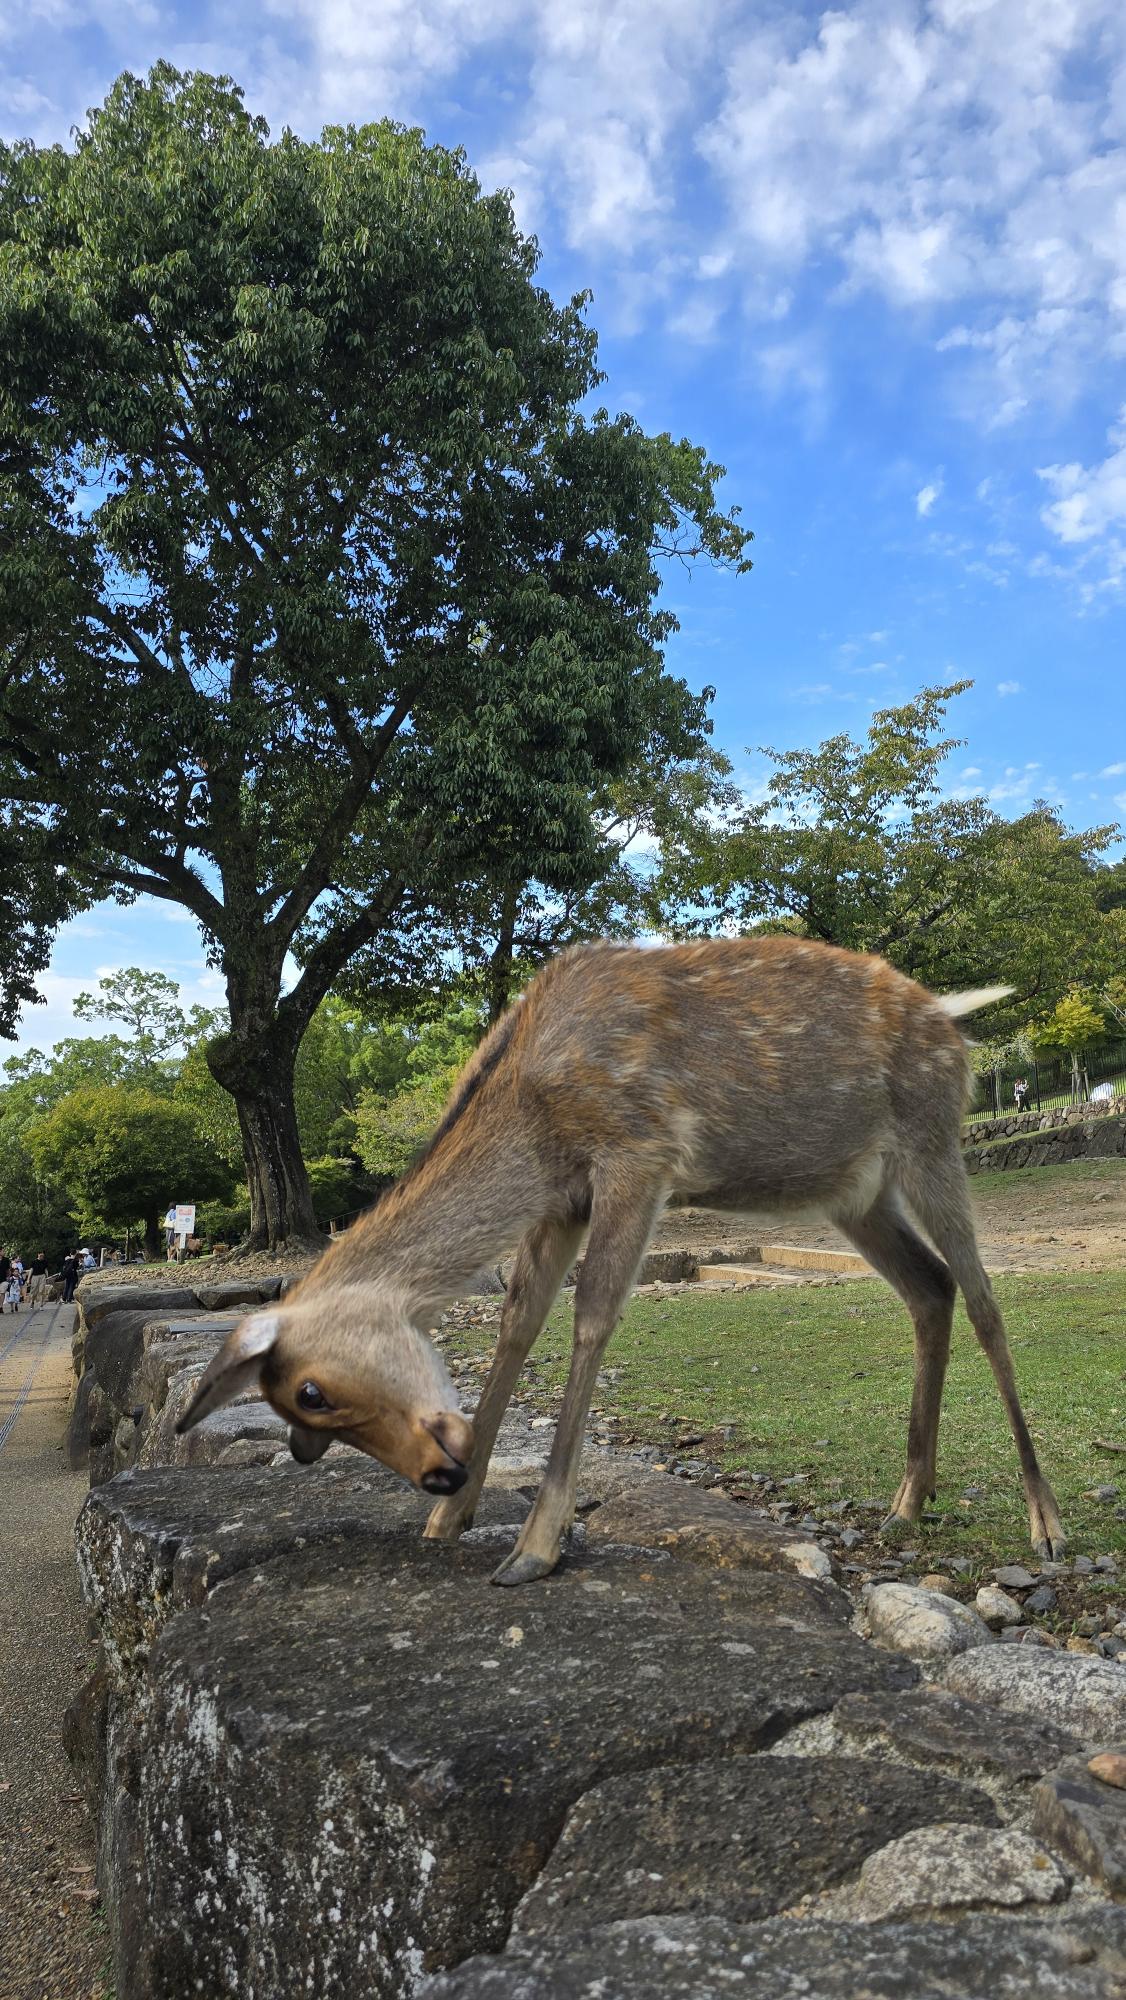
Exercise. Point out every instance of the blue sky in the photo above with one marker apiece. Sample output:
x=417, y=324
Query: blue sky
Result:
x=874, y=259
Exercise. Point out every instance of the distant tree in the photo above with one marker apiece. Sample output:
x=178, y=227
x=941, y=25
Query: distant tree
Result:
x=1076, y=1025
x=860, y=844
x=391, y=1128
x=123, y=1155
x=322, y=587
x=149, y=1005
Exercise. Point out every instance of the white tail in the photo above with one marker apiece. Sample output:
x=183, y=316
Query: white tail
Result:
x=957, y=1004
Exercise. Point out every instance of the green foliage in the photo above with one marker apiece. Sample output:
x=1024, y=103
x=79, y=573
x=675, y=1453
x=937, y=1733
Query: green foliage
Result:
x=391, y=1132
x=391, y=1129
x=857, y=844
x=336, y=1189
x=224, y=1222
x=1074, y=1024
x=323, y=588
x=149, y=1004
x=122, y=1153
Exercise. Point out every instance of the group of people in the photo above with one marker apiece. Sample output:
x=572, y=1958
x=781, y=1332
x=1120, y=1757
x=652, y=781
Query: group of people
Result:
x=26, y=1284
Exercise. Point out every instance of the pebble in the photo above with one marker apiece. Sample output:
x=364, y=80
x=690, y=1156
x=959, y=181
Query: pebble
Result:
x=1040, y=1600
x=923, y=1623
x=997, y=1607
x=1110, y=1766
x=1011, y=1576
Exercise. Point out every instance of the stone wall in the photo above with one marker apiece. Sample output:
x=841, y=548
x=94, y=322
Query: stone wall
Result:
x=1052, y=1140
x=325, y=1756
x=1019, y=1124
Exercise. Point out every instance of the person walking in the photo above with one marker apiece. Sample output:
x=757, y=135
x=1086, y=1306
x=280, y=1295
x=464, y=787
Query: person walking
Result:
x=13, y=1291
x=70, y=1276
x=37, y=1279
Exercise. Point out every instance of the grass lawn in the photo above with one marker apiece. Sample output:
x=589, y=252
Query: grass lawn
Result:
x=818, y=1381
x=1109, y=1172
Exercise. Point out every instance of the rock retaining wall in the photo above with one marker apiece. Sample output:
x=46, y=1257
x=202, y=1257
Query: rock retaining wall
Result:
x=1085, y=1134
x=326, y=1756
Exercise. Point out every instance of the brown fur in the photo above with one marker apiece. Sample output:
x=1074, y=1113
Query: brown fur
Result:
x=763, y=1074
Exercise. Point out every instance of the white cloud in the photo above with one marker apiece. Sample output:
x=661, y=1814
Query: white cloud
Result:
x=1090, y=500
x=926, y=497
x=1010, y=687
x=1112, y=770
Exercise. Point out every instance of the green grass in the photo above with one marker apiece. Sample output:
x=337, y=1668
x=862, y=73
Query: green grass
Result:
x=1007, y=1180
x=819, y=1381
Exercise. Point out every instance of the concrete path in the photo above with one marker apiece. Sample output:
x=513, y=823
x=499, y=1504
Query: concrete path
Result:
x=52, y=1946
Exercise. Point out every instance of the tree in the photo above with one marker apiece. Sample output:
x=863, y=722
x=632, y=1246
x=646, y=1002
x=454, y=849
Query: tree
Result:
x=1075, y=1025
x=859, y=844
x=320, y=589
x=392, y=1127
x=149, y=1004
x=124, y=1154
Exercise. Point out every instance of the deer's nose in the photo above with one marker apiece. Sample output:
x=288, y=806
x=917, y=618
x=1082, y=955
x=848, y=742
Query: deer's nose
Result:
x=445, y=1479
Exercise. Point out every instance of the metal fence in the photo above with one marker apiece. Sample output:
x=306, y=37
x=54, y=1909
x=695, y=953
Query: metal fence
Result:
x=1049, y=1083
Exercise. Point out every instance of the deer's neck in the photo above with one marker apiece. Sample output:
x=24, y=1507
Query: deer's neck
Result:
x=468, y=1203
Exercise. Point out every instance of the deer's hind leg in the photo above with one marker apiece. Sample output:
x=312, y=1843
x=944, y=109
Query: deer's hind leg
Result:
x=927, y=1288
x=621, y=1224
x=935, y=1185
x=542, y=1262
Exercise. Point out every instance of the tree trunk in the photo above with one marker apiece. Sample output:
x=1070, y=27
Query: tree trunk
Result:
x=260, y=1079
x=154, y=1238
x=501, y=961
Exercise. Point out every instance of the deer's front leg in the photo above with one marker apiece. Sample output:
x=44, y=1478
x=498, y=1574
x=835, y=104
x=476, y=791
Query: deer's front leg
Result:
x=543, y=1260
x=618, y=1236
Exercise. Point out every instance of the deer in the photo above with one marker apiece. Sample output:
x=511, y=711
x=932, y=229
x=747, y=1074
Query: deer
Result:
x=769, y=1075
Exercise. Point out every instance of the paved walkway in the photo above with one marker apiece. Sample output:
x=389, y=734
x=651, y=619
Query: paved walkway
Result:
x=51, y=1944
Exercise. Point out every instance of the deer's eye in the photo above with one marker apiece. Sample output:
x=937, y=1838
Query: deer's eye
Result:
x=310, y=1398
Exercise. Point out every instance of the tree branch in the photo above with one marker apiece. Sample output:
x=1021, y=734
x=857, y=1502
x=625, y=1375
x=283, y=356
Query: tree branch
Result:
x=314, y=875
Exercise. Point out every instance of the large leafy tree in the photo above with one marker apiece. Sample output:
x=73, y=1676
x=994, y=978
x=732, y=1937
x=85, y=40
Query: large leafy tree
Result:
x=321, y=587
x=862, y=844
x=123, y=1154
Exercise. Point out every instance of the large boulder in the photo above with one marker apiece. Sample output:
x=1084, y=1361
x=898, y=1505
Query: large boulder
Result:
x=741, y=1839
x=710, y=1958
x=1079, y=1693
x=930, y=1728
x=707, y=1527
x=351, y=1765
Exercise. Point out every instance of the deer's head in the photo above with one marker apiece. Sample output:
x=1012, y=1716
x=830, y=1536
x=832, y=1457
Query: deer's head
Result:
x=346, y=1364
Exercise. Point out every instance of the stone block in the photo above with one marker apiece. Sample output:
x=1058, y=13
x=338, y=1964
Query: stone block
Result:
x=948, y=1868
x=926, y=1726
x=1085, y=1820
x=741, y=1839
x=154, y=1541
x=1085, y=1695
x=797, y=1257
x=708, y=1958
x=95, y=1301
x=708, y=1528
x=349, y=1769
x=227, y=1293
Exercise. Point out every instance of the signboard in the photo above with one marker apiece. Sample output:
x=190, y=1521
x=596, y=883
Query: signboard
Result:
x=181, y=1219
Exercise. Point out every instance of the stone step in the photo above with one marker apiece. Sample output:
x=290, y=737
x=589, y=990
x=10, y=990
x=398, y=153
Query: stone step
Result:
x=795, y=1257
x=742, y=1274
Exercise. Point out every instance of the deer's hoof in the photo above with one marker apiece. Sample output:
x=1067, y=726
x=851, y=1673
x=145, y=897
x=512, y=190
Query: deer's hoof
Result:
x=521, y=1568
x=1050, y=1548
x=895, y=1528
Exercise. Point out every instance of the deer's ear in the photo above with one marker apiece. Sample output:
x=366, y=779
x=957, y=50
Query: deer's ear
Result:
x=236, y=1368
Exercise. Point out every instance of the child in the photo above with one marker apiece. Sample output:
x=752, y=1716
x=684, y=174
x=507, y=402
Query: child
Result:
x=13, y=1291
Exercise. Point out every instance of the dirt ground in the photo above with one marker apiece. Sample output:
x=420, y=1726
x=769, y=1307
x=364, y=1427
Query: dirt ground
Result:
x=1067, y=1218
